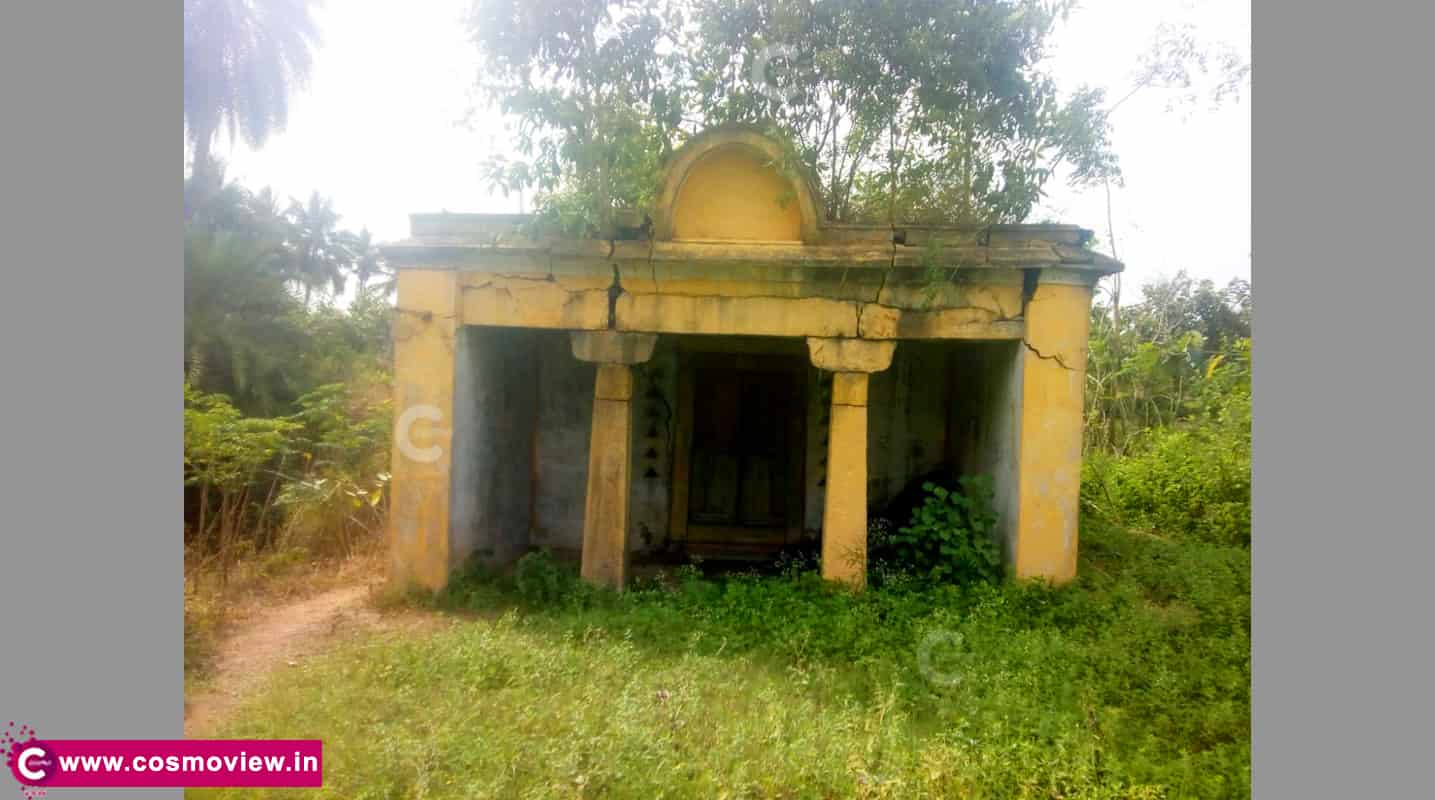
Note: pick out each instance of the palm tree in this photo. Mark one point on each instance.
(369, 264)
(321, 255)
(239, 320)
(242, 61)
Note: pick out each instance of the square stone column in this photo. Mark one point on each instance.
(1053, 375)
(420, 489)
(844, 510)
(610, 458)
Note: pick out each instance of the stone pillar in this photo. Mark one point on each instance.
(610, 458)
(1053, 373)
(844, 511)
(420, 491)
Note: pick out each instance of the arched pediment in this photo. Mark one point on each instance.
(726, 185)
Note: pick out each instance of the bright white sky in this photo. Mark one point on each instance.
(378, 130)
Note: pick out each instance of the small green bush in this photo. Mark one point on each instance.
(540, 580)
(952, 537)
(1190, 479)
(1191, 482)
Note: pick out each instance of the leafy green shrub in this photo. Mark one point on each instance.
(541, 581)
(1193, 479)
(952, 537)
(228, 458)
(341, 444)
(1185, 483)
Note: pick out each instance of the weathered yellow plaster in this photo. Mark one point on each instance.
(750, 316)
(610, 464)
(850, 355)
(1053, 373)
(535, 301)
(424, 329)
(613, 347)
(717, 160)
(731, 194)
(844, 511)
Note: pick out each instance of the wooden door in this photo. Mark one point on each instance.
(741, 448)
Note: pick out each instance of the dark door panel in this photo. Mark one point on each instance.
(741, 450)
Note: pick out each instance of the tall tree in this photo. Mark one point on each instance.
(917, 109)
(242, 61)
(240, 320)
(321, 251)
(369, 263)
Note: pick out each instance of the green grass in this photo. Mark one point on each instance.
(1132, 682)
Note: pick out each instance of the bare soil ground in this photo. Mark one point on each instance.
(278, 633)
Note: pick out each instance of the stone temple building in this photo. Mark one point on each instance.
(735, 376)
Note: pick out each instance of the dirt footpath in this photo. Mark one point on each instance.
(281, 636)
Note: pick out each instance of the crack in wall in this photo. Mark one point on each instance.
(1053, 357)
(859, 305)
(615, 290)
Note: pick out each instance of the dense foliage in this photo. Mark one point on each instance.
(286, 399)
(1168, 411)
(919, 110)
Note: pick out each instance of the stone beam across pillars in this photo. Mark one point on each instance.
(844, 510)
(610, 461)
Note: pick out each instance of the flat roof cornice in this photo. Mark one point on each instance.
(500, 241)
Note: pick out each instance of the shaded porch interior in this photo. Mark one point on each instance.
(729, 441)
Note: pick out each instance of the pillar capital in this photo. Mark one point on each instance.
(850, 355)
(613, 347)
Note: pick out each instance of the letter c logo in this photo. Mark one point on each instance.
(423, 455)
(22, 763)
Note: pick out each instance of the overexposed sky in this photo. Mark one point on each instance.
(378, 130)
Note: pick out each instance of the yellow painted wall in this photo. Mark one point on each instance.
(731, 194)
(1053, 374)
(424, 338)
(575, 302)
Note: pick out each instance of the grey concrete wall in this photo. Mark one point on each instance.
(907, 417)
(495, 391)
(564, 416)
(819, 412)
(655, 388)
(565, 421)
(986, 400)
